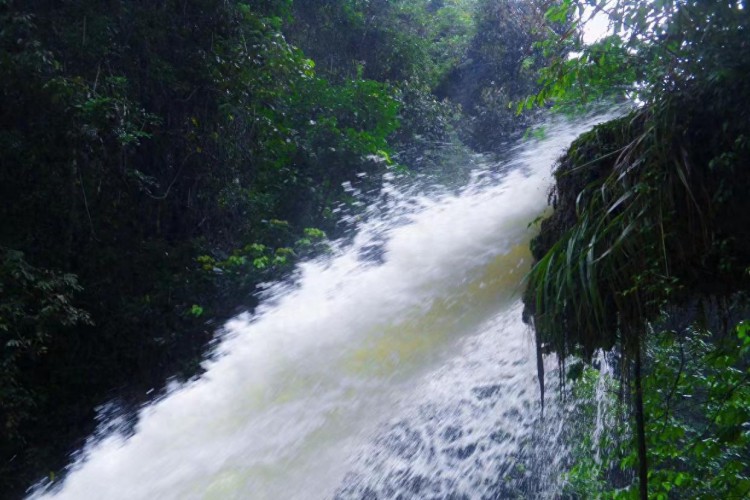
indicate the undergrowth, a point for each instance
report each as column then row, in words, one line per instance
column 697, row 396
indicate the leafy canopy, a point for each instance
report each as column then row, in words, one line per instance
column 653, row 46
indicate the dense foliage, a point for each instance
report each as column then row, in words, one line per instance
column 698, row 401
column 654, row 48
column 501, row 67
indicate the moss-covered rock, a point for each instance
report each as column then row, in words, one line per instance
column 650, row 209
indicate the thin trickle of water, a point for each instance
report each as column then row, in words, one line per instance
column 603, row 398
column 397, row 366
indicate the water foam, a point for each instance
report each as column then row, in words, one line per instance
column 296, row 389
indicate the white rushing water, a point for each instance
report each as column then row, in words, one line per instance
column 397, row 366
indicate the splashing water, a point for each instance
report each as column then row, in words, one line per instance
column 398, row 366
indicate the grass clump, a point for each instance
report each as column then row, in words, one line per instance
column 650, row 209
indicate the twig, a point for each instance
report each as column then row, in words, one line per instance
column 86, row 205
column 674, row 386
column 169, row 188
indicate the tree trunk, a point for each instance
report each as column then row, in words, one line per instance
column 640, row 422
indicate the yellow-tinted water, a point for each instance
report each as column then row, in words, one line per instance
column 365, row 375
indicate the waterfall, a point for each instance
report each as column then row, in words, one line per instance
column 396, row 365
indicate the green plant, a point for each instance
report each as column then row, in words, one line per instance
column 654, row 47
column 697, row 396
